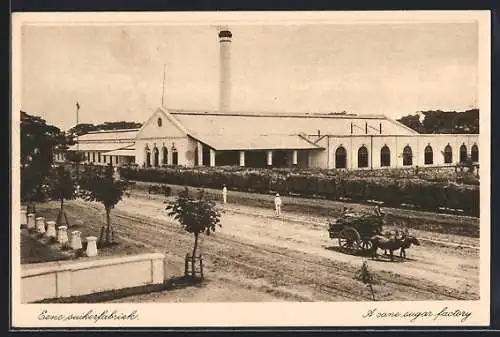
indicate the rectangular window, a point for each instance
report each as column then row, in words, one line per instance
column 116, row 159
column 93, row 157
column 98, row 157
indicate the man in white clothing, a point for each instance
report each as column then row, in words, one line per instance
column 224, row 193
column 277, row 204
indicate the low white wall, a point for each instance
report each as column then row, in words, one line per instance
column 74, row 278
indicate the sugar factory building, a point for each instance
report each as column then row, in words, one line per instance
column 225, row 137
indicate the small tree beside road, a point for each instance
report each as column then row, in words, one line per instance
column 196, row 215
column 100, row 185
column 61, row 186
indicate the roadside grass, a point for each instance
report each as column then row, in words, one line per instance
column 35, row 249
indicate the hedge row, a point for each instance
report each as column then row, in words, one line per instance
column 427, row 195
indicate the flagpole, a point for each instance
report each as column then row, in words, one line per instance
column 77, row 147
column 163, row 86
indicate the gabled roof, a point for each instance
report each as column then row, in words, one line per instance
column 111, row 135
column 239, row 124
column 258, row 142
column 125, row 151
column 99, row 146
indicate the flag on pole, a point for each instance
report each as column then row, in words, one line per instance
column 77, row 106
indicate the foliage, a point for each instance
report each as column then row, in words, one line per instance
column 195, row 214
column 438, row 121
column 61, row 185
column 364, row 276
column 74, row 156
column 38, row 140
column 430, row 189
column 84, row 128
column 99, row 184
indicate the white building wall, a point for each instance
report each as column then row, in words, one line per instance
column 185, row 147
column 396, row 145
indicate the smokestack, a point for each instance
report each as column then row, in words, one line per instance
column 225, row 70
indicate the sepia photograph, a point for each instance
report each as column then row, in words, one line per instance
column 276, row 168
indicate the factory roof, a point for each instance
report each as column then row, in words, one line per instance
column 111, row 135
column 258, row 142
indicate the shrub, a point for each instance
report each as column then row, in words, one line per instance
column 429, row 190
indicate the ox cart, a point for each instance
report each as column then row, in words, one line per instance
column 355, row 230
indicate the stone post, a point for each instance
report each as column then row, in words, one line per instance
column 76, row 241
column 31, row 221
column 91, row 246
column 62, row 235
column 40, row 225
column 24, row 218
column 51, row 229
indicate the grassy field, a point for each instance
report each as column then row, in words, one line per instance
column 34, row 251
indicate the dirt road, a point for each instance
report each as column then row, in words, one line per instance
column 294, row 260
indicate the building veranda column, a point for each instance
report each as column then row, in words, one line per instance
column 212, row 157
column 199, row 147
column 160, row 156
column 242, row 158
column 269, row 158
column 294, row 157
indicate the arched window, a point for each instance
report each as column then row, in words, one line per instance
column 448, row 154
column 175, row 157
column 474, row 153
column 385, row 156
column 159, row 122
column 463, row 153
column 340, row 157
column 428, row 155
column 148, row 157
column 363, row 157
column 156, row 157
column 407, row 156
column 165, row 156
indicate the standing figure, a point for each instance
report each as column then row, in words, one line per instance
column 277, row 204
column 224, row 194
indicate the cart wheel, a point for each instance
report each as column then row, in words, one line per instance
column 349, row 239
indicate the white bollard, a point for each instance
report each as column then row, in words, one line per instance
column 91, row 246
column 51, row 229
column 40, row 225
column 31, row 221
column 24, row 218
column 62, row 235
column 76, row 241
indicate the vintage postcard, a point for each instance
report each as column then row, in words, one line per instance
column 250, row 169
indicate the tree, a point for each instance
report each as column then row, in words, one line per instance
column 438, row 121
column 195, row 214
column 365, row 276
column 61, row 186
column 38, row 141
column 413, row 122
column 100, row 185
column 84, row 128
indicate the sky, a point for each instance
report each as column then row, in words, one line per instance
column 116, row 72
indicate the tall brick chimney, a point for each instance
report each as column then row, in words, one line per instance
column 225, row 70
